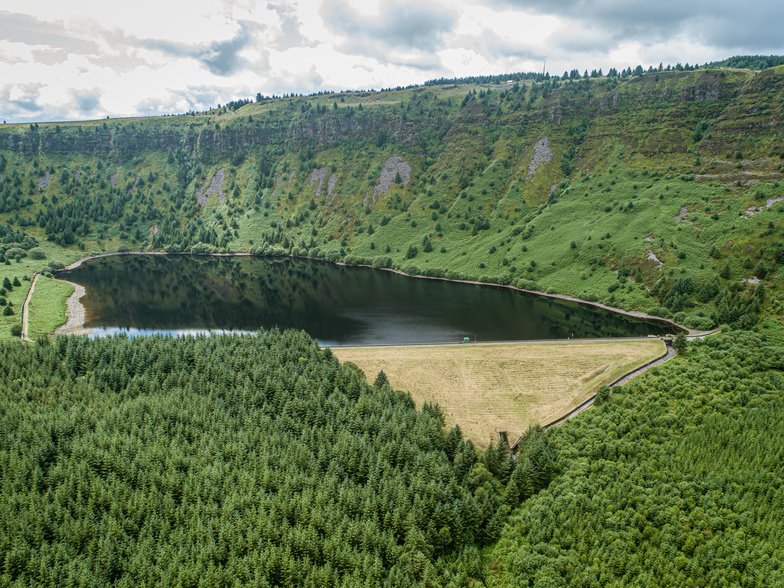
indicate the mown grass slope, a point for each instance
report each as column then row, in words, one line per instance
column 486, row 389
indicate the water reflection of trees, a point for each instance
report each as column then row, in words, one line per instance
column 170, row 292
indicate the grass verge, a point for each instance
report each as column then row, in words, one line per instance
column 47, row 306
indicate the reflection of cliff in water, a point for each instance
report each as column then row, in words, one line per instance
column 332, row 303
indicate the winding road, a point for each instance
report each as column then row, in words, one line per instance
column 619, row 382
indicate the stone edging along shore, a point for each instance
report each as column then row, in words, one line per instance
column 75, row 313
column 630, row 313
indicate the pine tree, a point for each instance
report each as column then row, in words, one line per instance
column 381, row 380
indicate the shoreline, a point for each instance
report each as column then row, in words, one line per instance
column 77, row 305
column 630, row 313
column 75, row 313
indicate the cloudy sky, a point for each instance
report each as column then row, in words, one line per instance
column 79, row 59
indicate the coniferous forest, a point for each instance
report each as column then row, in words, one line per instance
column 260, row 460
column 677, row 479
column 236, row 460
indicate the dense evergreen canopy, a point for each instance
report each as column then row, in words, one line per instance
column 676, row 480
column 211, row 461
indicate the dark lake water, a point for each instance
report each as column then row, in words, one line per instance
column 336, row 305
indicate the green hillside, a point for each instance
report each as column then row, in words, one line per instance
column 239, row 460
column 675, row 480
column 655, row 192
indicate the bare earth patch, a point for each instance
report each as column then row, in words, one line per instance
column 486, row 389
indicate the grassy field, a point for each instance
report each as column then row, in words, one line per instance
column 23, row 271
column 47, row 306
column 493, row 388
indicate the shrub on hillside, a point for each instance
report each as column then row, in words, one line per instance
column 356, row 260
column 382, row 261
column 526, row 284
column 202, row 248
column 333, row 255
column 433, row 272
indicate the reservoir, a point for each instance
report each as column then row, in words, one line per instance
column 337, row 305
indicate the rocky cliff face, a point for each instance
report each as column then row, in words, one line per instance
column 665, row 105
column 121, row 140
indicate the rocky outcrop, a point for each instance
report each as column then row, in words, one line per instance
column 43, row 181
column 542, row 155
column 214, row 187
column 318, row 175
column 121, row 141
column 392, row 167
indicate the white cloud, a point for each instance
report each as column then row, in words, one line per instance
column 154, row 19
column 459, row 61
column 520, row 27
column 68, row 58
